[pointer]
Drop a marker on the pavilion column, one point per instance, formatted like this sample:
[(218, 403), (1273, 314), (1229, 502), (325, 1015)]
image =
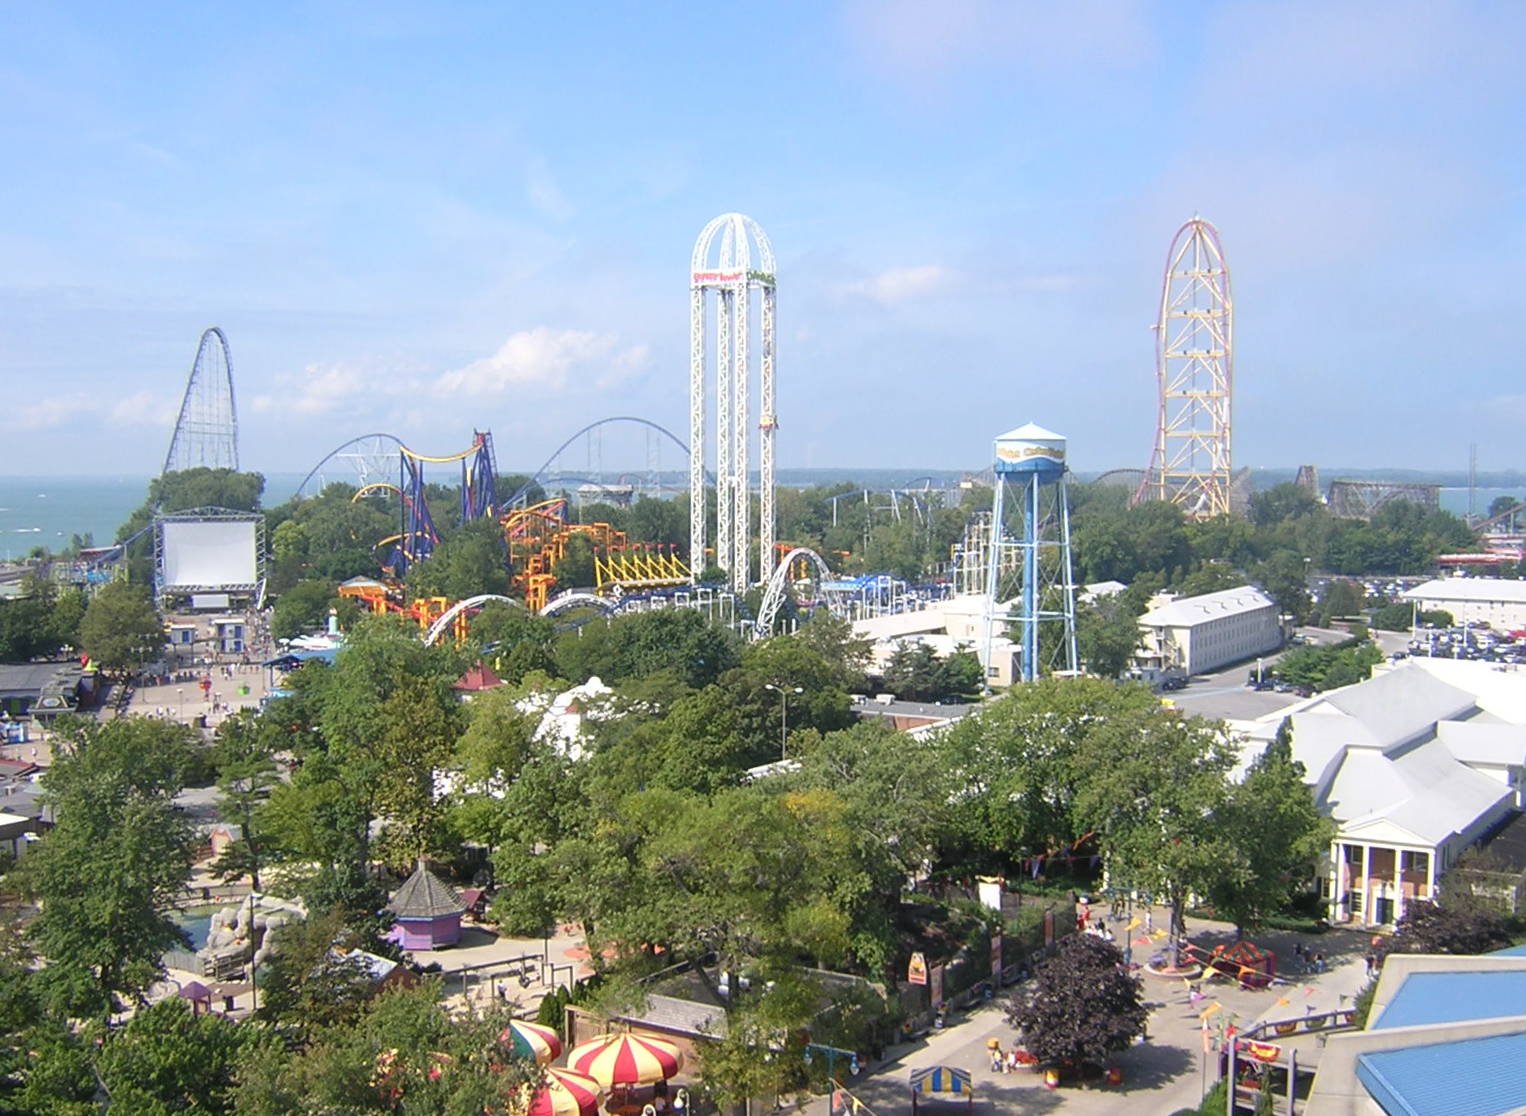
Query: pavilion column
[(1366, 885), (1398, 911)]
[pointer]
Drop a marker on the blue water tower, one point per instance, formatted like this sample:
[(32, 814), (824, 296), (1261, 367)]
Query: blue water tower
[(1028, 575)]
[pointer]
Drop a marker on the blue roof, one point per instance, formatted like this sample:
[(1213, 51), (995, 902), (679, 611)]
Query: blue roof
[(1510, 951), (1454, 997), (1472, 1077)]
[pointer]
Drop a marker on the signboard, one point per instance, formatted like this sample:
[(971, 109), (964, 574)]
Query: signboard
[(916, 972), (937, 984), (717, 276), (996, 956)]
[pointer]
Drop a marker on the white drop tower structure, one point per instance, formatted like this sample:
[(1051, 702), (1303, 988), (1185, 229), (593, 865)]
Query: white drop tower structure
[(734, 259)]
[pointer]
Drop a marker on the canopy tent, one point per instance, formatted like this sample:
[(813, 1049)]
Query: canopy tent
[(531, 1040), (565, 1094), (623, 1060), (941, 1083)]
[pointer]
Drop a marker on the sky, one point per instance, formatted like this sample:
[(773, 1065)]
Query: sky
[(429, 219)]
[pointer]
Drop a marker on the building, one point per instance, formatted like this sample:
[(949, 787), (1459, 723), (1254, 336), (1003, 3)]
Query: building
[(1445, 1035), (427, 910), (1197, 634), (1496, 601), (1415, 765), (953, 624), (43, 690)]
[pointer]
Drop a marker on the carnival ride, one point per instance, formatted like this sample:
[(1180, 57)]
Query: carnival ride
[(732, 258), (1194, 365), (206, 430), (538, 538)]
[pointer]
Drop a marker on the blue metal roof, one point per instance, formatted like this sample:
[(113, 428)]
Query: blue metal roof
[(1510, 951), (1472, 1077), (1453, 997)]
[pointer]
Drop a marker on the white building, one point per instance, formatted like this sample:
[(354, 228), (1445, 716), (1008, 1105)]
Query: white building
[(955, 624), (1414, 765), (1196, 634), (1496, 601)]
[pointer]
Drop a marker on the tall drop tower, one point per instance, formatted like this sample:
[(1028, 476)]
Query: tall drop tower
[(1030, 515), (1194, 362), (206, 432), (734, 259)]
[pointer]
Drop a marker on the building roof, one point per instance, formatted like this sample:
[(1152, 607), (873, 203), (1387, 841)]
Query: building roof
[(477, 679), (1484, 743), (1476, 589), (1389, 758), (1452, 997), (1427, 1080), (425, 895), (1184, 612)]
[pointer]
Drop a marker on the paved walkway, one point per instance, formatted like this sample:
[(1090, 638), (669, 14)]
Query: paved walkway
[(1162, 1074)]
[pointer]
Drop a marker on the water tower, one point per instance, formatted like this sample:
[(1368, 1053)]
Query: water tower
[(1028, 580)]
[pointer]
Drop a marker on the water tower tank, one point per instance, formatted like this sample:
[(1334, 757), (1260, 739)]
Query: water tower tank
[(1030, 449)]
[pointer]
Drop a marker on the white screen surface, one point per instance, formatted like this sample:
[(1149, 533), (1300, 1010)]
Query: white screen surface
[(209, 554)]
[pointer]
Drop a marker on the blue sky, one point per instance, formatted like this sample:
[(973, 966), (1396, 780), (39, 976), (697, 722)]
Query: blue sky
[(425, 221)]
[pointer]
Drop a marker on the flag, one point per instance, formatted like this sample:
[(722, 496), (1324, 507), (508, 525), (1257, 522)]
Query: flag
[(1210, 1009)]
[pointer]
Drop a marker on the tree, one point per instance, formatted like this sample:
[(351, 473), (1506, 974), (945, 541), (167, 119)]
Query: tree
[(1107, 635), (1154, 787), (1082, 1007), (302, 608), (169, 1059), (1273, 835), (313, 980), (1340, 598), (121, 630), (469, 563), (1462, 928), (1500, 505), (246, 775), (108, 870), (404, 1053)]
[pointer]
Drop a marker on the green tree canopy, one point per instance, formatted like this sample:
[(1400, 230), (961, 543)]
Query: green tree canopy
[(108, 870), (121, 630)]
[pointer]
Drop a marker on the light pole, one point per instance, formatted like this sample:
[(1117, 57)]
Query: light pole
[(181, 692), (833, 1053), (784, 693)]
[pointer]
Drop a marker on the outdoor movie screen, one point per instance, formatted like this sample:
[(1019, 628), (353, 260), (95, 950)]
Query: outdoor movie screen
[(209, 554)]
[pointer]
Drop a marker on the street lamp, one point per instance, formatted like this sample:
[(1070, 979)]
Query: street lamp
[(784, 693), (833, 1053), (181, 692)]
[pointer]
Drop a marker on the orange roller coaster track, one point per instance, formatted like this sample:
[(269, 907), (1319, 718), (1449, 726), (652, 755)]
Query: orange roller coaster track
[(538, 537)]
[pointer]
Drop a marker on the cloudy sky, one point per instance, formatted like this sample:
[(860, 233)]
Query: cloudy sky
[(424, 221)]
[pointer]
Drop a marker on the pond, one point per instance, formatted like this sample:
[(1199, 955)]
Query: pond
[(197, 922)]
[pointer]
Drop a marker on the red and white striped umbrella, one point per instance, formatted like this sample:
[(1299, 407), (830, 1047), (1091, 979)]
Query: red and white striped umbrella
[(626, 1060), (565, 1094), (531, 1040)]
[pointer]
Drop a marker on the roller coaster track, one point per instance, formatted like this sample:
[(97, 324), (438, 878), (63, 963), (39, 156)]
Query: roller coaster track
[(448, 617), (536, 477), (778, 587)]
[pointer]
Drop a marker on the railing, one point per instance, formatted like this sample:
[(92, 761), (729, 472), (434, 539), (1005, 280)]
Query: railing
[(1269, 1030)]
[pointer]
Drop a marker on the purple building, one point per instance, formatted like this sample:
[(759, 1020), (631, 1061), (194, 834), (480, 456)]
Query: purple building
[(428, 912)]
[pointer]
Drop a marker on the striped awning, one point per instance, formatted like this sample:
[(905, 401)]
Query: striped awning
[(626, 1060), (941, 1081), (565, 1094), (531, 1040)]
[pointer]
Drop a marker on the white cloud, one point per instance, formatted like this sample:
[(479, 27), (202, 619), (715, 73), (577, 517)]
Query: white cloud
[(544, 359), (145, 407), (52, 411), (321, 388), (544, 193), (902, 284)]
